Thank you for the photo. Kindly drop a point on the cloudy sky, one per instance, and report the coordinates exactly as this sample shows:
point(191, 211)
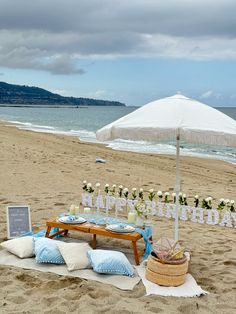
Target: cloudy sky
point(133, 51)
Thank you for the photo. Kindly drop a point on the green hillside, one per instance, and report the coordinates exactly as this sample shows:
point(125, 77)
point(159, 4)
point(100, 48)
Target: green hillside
point(27, 95)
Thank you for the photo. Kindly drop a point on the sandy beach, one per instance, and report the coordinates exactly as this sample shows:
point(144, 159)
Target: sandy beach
point(46, 171)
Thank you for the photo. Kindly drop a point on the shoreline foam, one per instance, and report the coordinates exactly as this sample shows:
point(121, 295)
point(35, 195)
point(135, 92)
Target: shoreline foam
point(129, 145)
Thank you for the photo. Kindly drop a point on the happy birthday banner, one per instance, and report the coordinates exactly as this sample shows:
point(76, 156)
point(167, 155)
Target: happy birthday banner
point(224, 218)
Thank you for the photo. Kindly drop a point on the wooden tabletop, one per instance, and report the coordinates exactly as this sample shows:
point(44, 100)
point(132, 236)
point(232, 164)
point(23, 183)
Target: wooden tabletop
point(94, 229)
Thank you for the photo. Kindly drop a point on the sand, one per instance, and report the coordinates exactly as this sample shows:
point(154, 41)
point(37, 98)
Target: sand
point(46, 171)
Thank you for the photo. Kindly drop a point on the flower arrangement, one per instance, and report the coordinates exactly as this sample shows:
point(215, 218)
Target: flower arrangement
point(221, 204)
point(166, 197)
point(185, 200)
point(120, 190)
point(84, 185)
point(90, 188)
point(134, 193)
point(160, 195)
point(113, 189)
point(196, 200)
point(206, 203)
point(229, 205)
point(140, 194)
point(106, 188)
point(151, 194)
point(126, 193)
point(182, 198)
point(142, 210)
point(232, 208)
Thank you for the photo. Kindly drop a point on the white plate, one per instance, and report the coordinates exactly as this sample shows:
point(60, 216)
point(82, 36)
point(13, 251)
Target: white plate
point(115, 228)
point(65, 220)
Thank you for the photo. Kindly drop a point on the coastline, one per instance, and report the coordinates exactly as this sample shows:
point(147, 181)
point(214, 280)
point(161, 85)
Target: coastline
point(163, 149)
point(46, 171)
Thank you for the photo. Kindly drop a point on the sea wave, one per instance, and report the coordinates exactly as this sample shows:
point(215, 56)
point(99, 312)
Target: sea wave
point(28, 125)
point(227, 154)
point(82, 134)
point(170, 149)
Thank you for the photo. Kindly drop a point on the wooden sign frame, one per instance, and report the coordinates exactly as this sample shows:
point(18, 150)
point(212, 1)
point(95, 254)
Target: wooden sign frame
point(22, 212)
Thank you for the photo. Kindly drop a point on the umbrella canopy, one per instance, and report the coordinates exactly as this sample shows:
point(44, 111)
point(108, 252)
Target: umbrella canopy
point(166, 118)
point(176, 117)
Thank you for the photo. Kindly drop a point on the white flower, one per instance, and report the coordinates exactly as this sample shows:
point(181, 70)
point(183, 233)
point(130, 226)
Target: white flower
point(167, 193)
point(151, 191)
point(98, 185)
point(208, 199)
point(134, 189)
point(222, 200)
point(173, 194)
point(232, 202)
point(84, 182)
point(227, 201)
point(141, 190)
point(89, 185)
point(114, 186)
point(196, 197)
point(121, 187)
point(126, 190)
point(180, 193)
point(106, 185)
point(184, 195)
point(159, 193)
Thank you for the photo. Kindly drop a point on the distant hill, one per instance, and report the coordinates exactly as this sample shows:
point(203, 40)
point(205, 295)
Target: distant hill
point(27, 95)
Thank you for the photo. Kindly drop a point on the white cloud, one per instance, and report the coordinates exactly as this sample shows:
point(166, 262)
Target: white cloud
point(54, 40)
point(207, 94)
point(211, 94)
point(101, 93)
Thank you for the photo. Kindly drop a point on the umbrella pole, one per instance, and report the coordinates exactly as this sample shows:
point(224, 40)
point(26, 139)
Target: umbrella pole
point(177, 189)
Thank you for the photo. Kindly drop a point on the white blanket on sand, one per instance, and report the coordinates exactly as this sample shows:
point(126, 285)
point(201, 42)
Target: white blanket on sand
point(189, 289)
point(121, 282)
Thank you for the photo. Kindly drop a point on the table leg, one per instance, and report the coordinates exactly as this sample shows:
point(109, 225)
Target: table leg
point(94, 243)
point(136, 257)
point(48, 231)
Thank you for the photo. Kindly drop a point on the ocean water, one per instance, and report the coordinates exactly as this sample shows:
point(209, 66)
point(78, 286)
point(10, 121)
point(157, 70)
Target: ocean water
point(83, 122)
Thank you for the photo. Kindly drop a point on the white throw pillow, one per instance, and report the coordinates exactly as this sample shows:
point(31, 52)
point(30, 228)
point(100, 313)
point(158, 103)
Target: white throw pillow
point(21, 247)
point(75, 255)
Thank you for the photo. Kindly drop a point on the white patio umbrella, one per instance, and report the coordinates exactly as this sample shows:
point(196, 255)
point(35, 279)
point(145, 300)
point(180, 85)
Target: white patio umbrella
point(176, 117)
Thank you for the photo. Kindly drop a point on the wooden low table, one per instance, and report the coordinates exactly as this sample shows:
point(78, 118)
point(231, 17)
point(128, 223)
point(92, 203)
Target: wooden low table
point(94, 230)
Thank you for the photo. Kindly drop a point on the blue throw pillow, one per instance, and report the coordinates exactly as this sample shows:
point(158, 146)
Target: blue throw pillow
point(46, 251)
point(110, 262)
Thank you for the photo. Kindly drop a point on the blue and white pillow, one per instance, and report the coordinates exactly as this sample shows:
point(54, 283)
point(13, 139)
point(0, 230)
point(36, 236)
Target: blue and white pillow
point(46, 251)
point(110, 262)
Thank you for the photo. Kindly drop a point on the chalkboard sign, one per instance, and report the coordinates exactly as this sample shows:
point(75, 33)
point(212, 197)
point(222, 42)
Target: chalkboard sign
point(18, 220)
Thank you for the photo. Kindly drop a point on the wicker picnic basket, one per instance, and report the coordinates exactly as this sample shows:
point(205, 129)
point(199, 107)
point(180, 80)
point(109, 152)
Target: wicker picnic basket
point(165, 274)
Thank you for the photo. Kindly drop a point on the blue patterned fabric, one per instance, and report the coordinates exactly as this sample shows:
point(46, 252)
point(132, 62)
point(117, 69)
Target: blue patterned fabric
point(146, 234)
point(110, 262)
point(40, 233)
point(46, 251)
